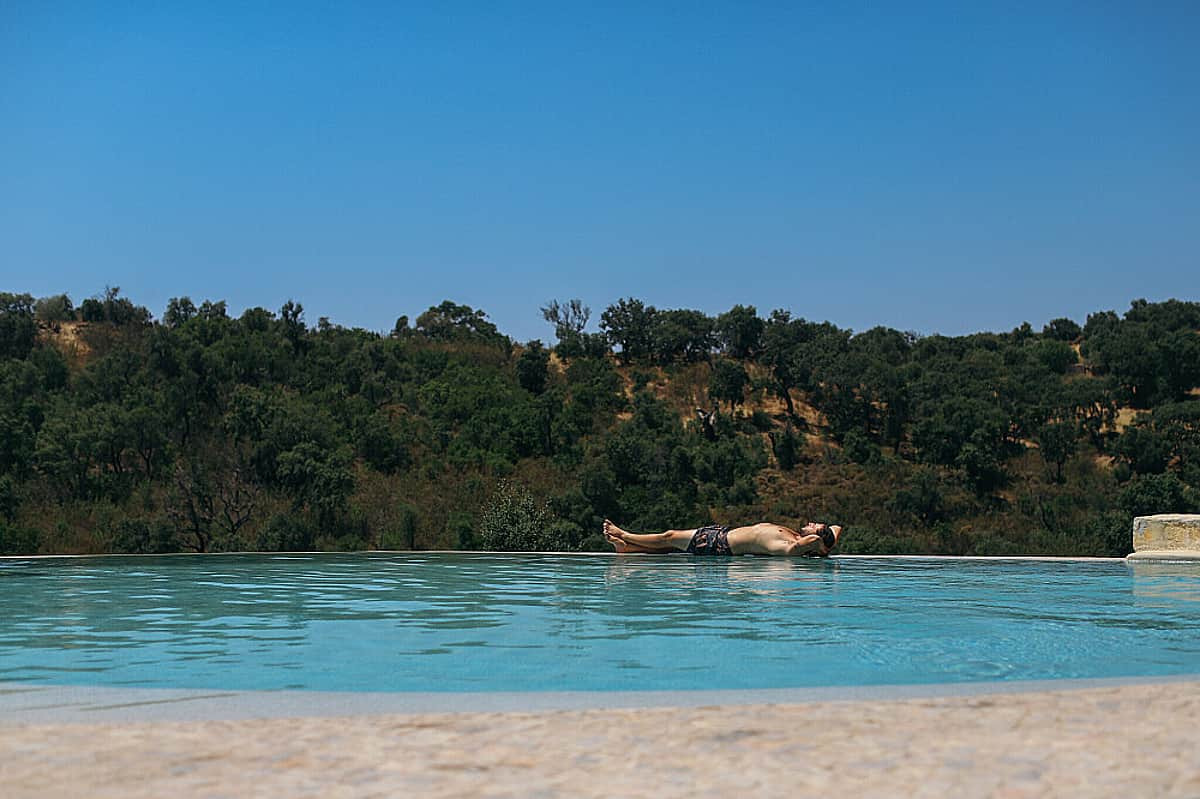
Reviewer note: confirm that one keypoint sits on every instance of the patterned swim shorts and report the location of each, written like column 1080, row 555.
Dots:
column 710, row 540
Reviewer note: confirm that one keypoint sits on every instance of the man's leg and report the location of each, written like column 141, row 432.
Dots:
column 669, row 541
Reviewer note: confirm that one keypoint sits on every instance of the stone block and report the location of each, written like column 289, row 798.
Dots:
column 1167, row 535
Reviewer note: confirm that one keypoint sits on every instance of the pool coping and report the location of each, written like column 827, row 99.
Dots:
column 39, row 703
column 1046, row 558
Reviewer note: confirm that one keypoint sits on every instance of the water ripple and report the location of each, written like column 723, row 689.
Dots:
column 509, row 622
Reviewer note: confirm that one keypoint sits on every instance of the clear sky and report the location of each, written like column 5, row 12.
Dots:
column 933, row 167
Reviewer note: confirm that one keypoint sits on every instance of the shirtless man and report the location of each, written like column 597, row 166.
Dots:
column 756, row 539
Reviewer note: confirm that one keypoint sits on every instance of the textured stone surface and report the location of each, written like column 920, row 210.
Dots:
column 1177, row 533
column 1137, row 740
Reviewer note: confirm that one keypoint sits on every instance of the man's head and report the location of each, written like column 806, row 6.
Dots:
column 829, row 535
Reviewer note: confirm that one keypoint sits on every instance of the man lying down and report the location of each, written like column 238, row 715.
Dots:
column 757, row 539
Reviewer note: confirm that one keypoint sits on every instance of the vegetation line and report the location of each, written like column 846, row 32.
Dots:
column 201, row 432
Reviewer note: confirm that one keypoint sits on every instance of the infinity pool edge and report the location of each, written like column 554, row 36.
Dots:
column 423, row 552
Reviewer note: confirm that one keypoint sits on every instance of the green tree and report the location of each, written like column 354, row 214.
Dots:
column 17, row 326
column 1057, row 442
column 786, row 446
column 782, row 338
column 1089, row 402
column 1062, row 329
column 1143, row 448
column 1178, row 425
column 728, row 382
column 1146, row 495
column 682, row 335
column 629, row 324
column 533, row 368
column 121, row 311
column 179, row 311
column 17, row 441
column 91, row 310
column 1152, row 355
column 1056, row 356
column 213, row 498
column 569, row 318
column 740, row 331
column 1181, row 363
column 461, row 323
column 56, row 308
column 291, row 322
column 381, row 444
column 859, row 448
column 319, row 479
column 66, row 449
column 981, row 464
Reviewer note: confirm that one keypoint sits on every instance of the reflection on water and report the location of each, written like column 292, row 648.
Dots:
column 1169, row 581
column 514, row 622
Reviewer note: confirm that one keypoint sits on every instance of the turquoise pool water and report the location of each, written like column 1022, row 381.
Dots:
column 384, row 622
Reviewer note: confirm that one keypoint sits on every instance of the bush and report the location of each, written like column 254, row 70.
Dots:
column 8, row 498
column 1112, row 534
column 514, row 521
column 641, row 378
column 761, row 421
column 982, row 467
column 404, row 535
column 922, row 497
column 861, row 449
column 594, row 542
column 787, row 446
column 461, row 527
column 1148, row 494
column 868, row 541
column 993, row 543
column 18, row 540
column 139, row 537
column 382, row 446
column 54, row 309
column 287, row 532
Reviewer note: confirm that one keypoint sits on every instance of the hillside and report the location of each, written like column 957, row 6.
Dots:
column 203, row 432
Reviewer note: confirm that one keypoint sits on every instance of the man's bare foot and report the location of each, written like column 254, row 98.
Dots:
column 616, row 536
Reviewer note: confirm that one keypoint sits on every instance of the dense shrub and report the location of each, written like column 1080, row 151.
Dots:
column 17, row 540
column 141, row 537
column 514, row 521
column 1149, row 494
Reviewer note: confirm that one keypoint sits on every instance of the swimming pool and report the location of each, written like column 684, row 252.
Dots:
column 475, row 622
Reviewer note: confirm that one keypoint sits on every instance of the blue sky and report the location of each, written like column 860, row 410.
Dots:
column 932, row 167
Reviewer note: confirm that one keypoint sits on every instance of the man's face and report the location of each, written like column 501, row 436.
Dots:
column 812, row 528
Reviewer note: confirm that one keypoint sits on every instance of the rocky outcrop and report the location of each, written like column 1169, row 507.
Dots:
column 1168, row 536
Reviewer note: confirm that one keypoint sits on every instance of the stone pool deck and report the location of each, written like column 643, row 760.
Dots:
column 1117, row 740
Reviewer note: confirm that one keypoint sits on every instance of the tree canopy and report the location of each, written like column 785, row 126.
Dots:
column 204, row 432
